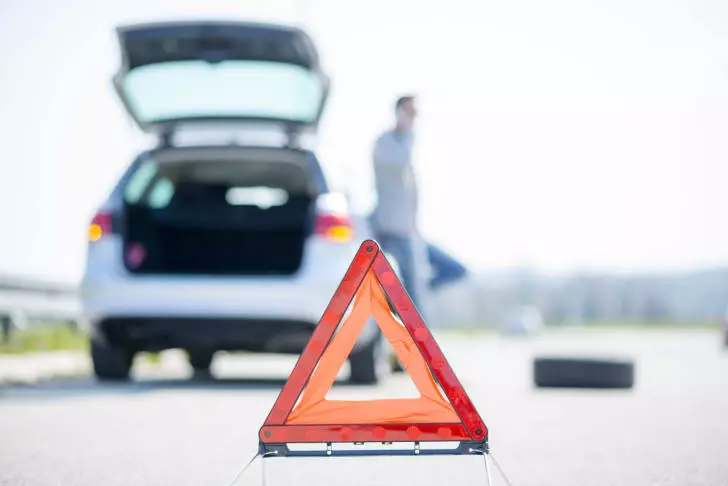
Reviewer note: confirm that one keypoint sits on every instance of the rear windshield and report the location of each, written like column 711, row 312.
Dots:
column 193, row 89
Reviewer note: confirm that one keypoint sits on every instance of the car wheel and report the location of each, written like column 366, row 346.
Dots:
column 369, row 364
column 111, row 363
column 200, row 360
column 582, row 373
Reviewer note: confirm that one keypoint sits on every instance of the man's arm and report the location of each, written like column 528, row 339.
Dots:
column 395, row 180
column 386, row 154
column 391, row 173
column 380, row 152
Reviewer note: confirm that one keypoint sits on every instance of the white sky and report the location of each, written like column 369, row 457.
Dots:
column 556, row 134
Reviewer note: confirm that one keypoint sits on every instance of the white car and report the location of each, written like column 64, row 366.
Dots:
column 228, row 235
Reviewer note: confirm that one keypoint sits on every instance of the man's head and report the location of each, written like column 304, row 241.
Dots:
column 406, row 112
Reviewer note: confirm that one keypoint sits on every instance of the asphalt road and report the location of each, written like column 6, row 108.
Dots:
column 166, row 429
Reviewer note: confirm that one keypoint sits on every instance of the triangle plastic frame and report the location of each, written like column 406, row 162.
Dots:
column 470, row 430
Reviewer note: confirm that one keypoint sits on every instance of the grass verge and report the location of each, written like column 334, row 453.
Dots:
column 44, row 337
column 54, row 337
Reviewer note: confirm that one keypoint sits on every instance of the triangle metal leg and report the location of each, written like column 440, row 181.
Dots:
column 240, row 473
column 487, row 471
column 262, row 471
column 497, row 466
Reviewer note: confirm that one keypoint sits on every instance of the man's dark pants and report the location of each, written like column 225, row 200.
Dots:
column 404, row 250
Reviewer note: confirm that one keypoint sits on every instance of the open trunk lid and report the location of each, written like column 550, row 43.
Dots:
column 190, row 72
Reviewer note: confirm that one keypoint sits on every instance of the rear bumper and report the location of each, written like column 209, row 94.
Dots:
column 107, row 289
column 228, row 334
column 264, row 313
column 272, row 299
column 272, row 316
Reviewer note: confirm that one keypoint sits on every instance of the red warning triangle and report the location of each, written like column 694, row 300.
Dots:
column 443, row 412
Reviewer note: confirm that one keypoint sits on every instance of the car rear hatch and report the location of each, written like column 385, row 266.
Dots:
column 224, row 210
column 183, row 73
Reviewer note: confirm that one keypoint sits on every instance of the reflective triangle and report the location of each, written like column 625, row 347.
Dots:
column 443, row 412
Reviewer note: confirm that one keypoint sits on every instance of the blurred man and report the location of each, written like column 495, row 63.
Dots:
column 395, row 217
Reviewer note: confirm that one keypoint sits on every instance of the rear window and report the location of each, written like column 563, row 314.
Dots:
column 192, row 89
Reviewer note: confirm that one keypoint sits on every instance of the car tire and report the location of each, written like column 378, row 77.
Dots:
column 582, row 373
column 200, row 360
column 111, row 363
column 368, row 365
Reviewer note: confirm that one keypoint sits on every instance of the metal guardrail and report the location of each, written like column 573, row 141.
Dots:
column 26, row 301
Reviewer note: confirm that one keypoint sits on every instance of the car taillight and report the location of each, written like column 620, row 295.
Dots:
column 100, row 225
column 334, row 227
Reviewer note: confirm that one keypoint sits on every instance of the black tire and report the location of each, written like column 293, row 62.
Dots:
column 582, row 373
column 369, row 364
column 200, row 360
column 111, row 363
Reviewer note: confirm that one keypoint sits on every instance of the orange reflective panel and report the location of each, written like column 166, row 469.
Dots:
column 314, row 409
column 302, row 413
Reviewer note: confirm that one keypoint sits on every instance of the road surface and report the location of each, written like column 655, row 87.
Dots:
column 165, row 429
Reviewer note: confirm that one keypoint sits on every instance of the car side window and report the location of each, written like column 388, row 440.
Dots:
column 138, row 183
column 161, row 194
column 147, row 187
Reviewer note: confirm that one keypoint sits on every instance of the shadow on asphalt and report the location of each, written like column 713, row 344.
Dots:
column 80, row 387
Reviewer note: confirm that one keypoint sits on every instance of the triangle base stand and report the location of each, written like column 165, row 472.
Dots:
column 266, row 451
column 281, row 450
column 364, row 449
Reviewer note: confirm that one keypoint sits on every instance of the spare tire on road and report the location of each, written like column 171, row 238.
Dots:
column 582, row 373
